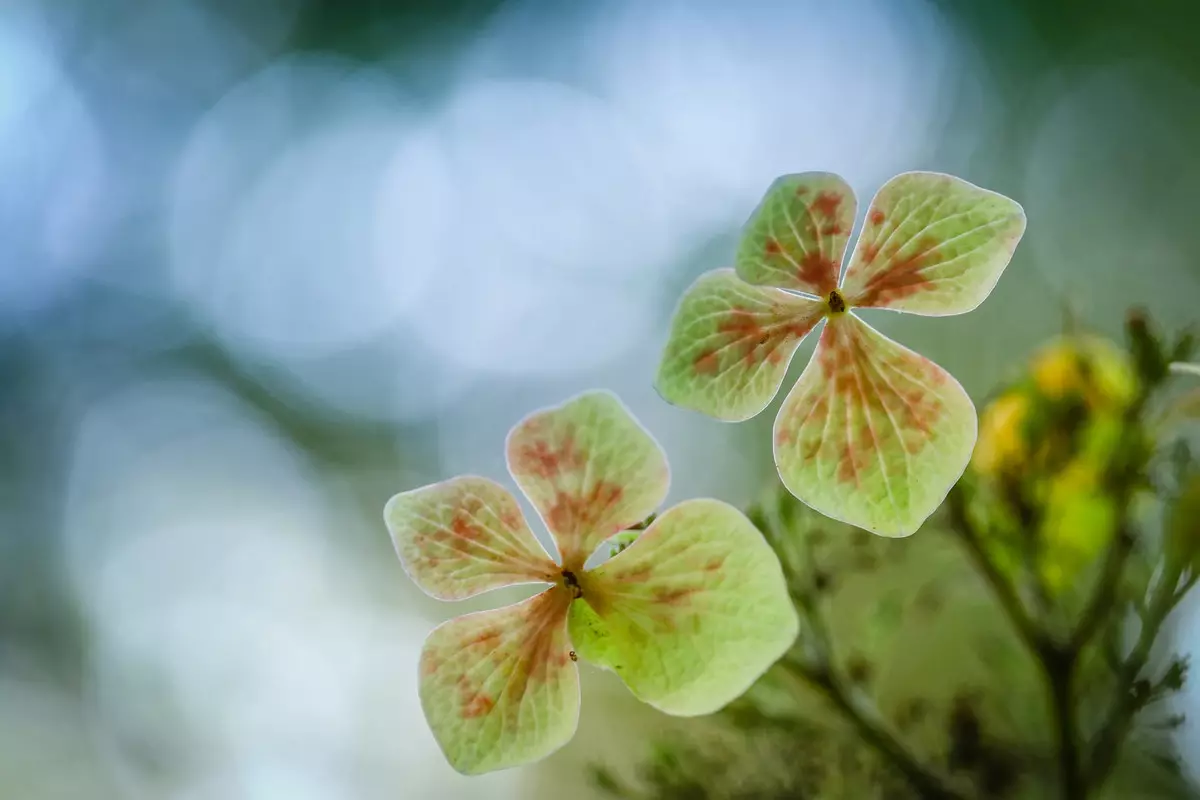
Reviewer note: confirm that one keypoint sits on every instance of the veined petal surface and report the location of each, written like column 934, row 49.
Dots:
column 691, row 613
column 873, row 434
column 499, row 688
column 730, row 345
column 797, row 236
column 932, row 244
column 590, row 469
column 465, row 536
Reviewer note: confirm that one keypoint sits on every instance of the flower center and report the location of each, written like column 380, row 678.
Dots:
column 572, row 583
column 837, row 305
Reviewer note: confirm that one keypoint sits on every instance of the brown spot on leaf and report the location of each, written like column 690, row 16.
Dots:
column 549, row 459
column 877, row 217
column 826, row 204
column 576, row 513
column 676, row 596
column 477, row 705
column 818, row 271
column 900, row 277
column 707, row 363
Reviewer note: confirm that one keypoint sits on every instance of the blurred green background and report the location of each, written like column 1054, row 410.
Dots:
column 263, row 265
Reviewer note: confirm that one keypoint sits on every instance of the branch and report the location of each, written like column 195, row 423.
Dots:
column 1125, row 703
column 872, row 729
column 1105, row 595
column 1013, row 607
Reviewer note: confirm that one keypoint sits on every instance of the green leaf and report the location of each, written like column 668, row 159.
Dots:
column 465, row 536
column 590, row 470
column 932, row 244
column 730, row 345
column 691, row 613
column 499, row 688
column 873, row 434
column 796, row 237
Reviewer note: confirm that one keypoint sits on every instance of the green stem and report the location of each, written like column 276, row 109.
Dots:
column 1105, row 594
column 873, row 731
column 1013, row 607
column 1185, row 368
column 1059, row 665
column 1124, row 704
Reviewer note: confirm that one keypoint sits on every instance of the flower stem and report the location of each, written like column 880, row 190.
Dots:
column 1125, row 704
column 873, row 731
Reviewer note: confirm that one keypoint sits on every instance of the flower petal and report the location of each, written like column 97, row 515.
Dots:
column 873, row 434
column 499, row 688
column 730, row 345
column 796, row 237
column 465, row 536
column 590, row 469
column 932, row 244
column 691, row 613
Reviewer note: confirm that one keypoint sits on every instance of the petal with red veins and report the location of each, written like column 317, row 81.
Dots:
column 730, row 345
column 932, row 244
column 465, row 536
column 873, row 434
column 590, row 470
column 797, row 236
column 691, row 613
column 499, row 688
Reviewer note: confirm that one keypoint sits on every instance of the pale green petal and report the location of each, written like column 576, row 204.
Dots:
column 590, row 470
column 499, row 688
column 691, row 613
column 730, row 345
column 932, row 244
column 873, row 434
column 797, row 236
column 465, row 536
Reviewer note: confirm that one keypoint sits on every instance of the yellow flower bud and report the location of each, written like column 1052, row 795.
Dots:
column 1001, row 446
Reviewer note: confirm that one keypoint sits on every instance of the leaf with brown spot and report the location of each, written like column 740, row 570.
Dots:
column 465, row 536
column 589, row 468
column 730, row 345
column 797, row 236
column 932, row 244
column 873, row 434
column 499, row 688
column 691, row 613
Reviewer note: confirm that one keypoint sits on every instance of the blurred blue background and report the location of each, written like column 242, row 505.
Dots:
column 263, row 265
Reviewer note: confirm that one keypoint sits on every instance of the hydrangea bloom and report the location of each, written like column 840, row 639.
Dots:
column 872, row 434
column 689, row 614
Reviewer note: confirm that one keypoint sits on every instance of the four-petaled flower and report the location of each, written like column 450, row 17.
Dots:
column 872, row 433
column 688, row 615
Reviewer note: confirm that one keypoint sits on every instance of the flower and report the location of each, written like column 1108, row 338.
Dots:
column 1050, row 441
column 689, row 614
column 872, row 434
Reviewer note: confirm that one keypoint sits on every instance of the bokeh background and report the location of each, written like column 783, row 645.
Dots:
column 264, row 264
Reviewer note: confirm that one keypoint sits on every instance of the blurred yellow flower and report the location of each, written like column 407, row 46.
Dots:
column 1087, row 367
column 1057, row 371
column 1001, row 446
column 1052, row 437
column 1079, row 520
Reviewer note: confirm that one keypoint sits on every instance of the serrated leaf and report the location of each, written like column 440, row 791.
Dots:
column 465, row 536
column 932, row 244
column 797, row 236
column 590, row 469
column 499, row 688
column 730, row 345
column 873, row 434
column 689, row 615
